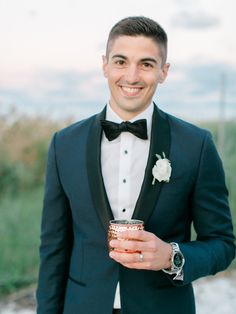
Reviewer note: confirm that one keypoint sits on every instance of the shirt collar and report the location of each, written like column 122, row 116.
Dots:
column 111, row 115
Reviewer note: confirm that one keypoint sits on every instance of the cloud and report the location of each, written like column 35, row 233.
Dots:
column 191, row 92
column 57, row 93
column 195, row 20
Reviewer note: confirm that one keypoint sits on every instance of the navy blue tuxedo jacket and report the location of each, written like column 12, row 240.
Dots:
column 76, row 274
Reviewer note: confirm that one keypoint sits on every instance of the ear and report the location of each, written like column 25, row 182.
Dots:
column 104, row 65
column 164, row 72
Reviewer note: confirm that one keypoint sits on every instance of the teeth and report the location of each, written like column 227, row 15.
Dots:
column 130, row 89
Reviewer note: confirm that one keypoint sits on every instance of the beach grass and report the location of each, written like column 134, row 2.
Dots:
column 24, row 144
column 19, row 234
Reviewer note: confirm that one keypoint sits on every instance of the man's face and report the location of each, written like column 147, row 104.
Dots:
column 133, row 68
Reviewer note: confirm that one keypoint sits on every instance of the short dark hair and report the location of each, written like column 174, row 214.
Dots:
column 139, row 26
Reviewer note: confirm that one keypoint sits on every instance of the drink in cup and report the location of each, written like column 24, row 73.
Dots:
column 116, row 226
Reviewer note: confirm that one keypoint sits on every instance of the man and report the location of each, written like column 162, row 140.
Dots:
column 168, row 174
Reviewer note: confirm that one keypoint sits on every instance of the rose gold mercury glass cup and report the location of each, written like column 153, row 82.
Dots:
column 116, row 226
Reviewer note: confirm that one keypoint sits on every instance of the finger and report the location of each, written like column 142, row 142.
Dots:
column 131, row 258
column 140, row 235
column 128, row 245
column 141, row 263
column 134, row 245
column 124, row 257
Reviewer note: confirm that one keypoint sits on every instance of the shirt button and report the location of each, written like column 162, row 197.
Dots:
column 123, row 210
column 126, row 152
column 124, row 180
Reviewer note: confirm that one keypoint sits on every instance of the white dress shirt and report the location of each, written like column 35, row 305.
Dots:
column 123, row 163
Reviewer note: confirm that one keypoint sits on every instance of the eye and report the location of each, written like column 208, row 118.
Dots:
column 147, row 65
column 119, row 62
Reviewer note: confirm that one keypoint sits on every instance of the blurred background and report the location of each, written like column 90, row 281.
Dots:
column 50, row 75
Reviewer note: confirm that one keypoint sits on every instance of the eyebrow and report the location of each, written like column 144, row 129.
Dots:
column 142, row 60
column 149, row 60
column 119, row 56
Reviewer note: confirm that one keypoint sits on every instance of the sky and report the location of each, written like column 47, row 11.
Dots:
column 51, row 55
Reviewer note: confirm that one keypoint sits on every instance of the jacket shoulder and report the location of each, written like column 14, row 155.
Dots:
column 185, row 128
column 76, row 127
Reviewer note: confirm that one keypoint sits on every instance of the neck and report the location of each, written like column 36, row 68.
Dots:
column 127, row 115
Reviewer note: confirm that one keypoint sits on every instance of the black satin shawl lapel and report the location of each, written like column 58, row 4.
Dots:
column 160, row 142
column 96, row 183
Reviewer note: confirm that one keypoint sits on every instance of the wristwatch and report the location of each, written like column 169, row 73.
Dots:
column 177, row 262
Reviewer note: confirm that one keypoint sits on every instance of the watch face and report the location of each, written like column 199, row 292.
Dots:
column 178, row 260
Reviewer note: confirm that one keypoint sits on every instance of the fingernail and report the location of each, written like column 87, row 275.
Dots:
column 111, row 254
column 113, row 243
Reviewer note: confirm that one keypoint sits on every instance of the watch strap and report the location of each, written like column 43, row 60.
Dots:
column 178, row 272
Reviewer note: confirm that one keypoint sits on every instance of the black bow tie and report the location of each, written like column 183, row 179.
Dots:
column 112, row 130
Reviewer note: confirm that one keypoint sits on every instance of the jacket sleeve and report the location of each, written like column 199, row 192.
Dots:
column 56, row 241
column 214, row 249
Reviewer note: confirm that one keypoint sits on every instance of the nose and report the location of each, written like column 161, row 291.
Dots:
column 131, row 75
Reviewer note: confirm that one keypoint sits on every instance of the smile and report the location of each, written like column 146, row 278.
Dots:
column 131, row 91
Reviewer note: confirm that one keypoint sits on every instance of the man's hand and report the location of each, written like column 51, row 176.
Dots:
column 155, row 253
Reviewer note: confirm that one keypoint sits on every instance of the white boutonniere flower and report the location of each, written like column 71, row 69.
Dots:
column 162, row 169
